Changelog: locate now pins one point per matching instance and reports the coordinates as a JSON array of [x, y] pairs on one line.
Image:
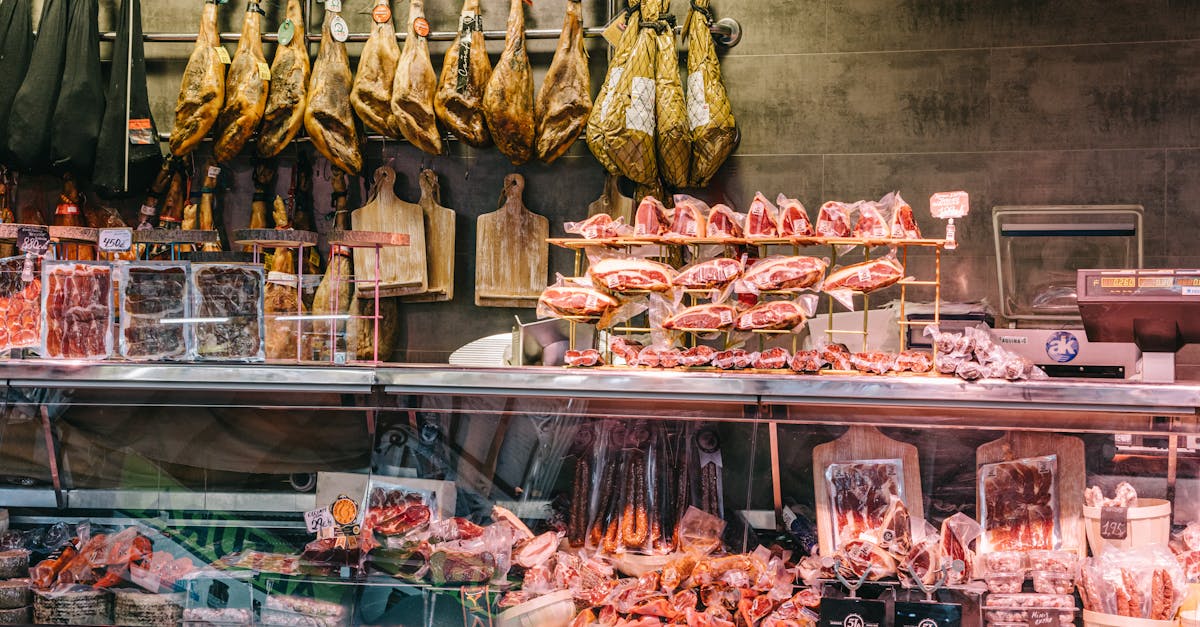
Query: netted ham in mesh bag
[[710, 117], [603, 111], [627, 118], [673, 137]]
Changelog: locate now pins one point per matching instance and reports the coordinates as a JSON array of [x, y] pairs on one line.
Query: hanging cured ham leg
[[564, 101], [415, 85], [288, 93], [328, 118], [203, 89], [246, 89], [465, 74], [508, 101], [372, 93]]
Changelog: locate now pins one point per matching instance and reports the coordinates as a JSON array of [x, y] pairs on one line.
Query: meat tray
[[20, 304], [78, 305], [153, 291], [231, 295]]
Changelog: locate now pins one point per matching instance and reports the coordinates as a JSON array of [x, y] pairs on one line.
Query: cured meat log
[[372, 92], [784, 273], [202, 91], [865, 277], [31, 119], [466, 71], [570, 300], [245, 89], [78, 311], [714, 131], [508, 99], [414, 86], [233, 293], [709, 274], [328, 118], [288, 92], [702, 317], [127, 147], [780, 314], [624, 274], [20, 305], [565, 99], [79, 109], [150, 293]]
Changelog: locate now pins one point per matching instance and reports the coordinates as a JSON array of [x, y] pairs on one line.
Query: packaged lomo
[[21, 298], [227, 300], [154, 301], [77, 298]]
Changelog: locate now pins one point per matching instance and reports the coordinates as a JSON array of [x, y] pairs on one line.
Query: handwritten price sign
[[115, 240], [1114, 523]]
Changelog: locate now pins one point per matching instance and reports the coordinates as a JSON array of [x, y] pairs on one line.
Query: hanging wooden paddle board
[[402, 270], [511, 255], [439, 241], [861, 444], [1072, 475], [612, 202]]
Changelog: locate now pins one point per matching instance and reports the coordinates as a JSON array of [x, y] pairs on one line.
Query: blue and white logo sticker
[[1062, 347]]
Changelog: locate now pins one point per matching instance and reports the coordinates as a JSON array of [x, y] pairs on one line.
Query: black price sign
[[34, 240], [1114, 523], [909, 614], [852, 613]]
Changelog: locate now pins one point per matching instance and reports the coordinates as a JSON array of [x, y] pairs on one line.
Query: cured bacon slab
[[871, 224], [779, 314], [833, 220], [725, 223], [621, 274], [571, 300], [762, 219], [706, 316], [784, 273], [709, 274], [793, 219], [690, 217], [651, 219], [865, 277]]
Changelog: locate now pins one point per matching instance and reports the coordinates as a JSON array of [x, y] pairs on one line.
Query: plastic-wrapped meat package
[[807, 361], [914, 361], [772, 359], [702, 317], [20, 304], [714, 273], [626, 349], [151, 292], [77, 300], [732, 359], [874, 362], [651, 218], [1019, 504], [690, 217], [871, 223], [586, 358], [783, 273], [697, 356], [232, 296], [621, 274], [837, 356], [793, 219], [599, 226], [774, 315], [833, 220], [762, 219], [903, 225], [725, 223], [865, 277], [861, 494]]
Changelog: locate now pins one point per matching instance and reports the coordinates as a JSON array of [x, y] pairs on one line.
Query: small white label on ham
[[697, 104], [640, 114], [333, 5], [864, 275], [612, 281], [281, 278], [726, 317], [147, 210], [213, 171], [339, 30]]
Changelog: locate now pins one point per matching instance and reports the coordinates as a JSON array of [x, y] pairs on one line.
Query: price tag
[[115, 240], [214, 171], [144, 578], [223, 54], [421, 27], [382, 13], [339, 30], [944, 205], [318, 519], [141, 133], [927, 614], [148, 211], [287, 30], [34, 240], [852, 613], [1114, 523], [333, 5], [264, 71], [281, 278]]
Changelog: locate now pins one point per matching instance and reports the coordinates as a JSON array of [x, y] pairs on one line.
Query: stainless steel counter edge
[[240, 377]]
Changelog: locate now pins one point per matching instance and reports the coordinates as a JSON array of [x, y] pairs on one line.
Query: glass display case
[[442, 496]]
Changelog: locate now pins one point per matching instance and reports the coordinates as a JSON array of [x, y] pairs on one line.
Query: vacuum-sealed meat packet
[[21, 299], [229, 297], [762, 219], [833, 220], [1019, 505], [793, 219], [725, 223], [861, 493], [152, 293], [711, 274], [622, 273], [78, 299], [599, 226]]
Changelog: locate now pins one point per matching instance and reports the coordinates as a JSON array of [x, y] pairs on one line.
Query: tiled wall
[[1015, 101]]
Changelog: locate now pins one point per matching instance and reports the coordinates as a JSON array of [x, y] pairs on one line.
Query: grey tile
[[742, 176], [1109, 96], [1182, 205], [1038, 22], [773, 26], [872, 25]]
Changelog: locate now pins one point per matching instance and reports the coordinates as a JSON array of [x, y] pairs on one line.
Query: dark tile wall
[[1014, 101]]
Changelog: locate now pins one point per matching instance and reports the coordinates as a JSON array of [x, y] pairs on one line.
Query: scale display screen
[[1158, 310], [1145, 283]]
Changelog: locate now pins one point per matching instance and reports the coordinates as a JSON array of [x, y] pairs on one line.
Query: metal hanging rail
[[728, 32]]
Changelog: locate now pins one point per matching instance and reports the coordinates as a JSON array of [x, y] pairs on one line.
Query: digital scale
[[1157, 311]]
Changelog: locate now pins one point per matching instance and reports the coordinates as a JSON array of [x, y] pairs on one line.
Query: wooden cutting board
[[1072, 475], [439, 241], [857, 444], [612, 202], [402, 269], [511, 255]]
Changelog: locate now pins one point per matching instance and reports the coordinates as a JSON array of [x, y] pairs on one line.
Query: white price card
[[949, 205], [115, 240], [317, 519]]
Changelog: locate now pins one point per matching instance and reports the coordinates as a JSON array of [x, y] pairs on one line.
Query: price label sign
[[949, 205], [317, 519], [1042, 618], [852, 613], [115, 240], [1114, 523], [34, 240]]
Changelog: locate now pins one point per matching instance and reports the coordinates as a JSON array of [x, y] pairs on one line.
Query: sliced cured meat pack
[[833, 220], [651, 219], [20, 304], [784, 273], [573, 300], [624, 274], [78, 305], [762, 219], [701, 317], [793, 219], [690, 217], [779, 314], [232, 296], [865, 277], [725, 223], [709, 274], [1019, 504], [150, 292], [861, 493]]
